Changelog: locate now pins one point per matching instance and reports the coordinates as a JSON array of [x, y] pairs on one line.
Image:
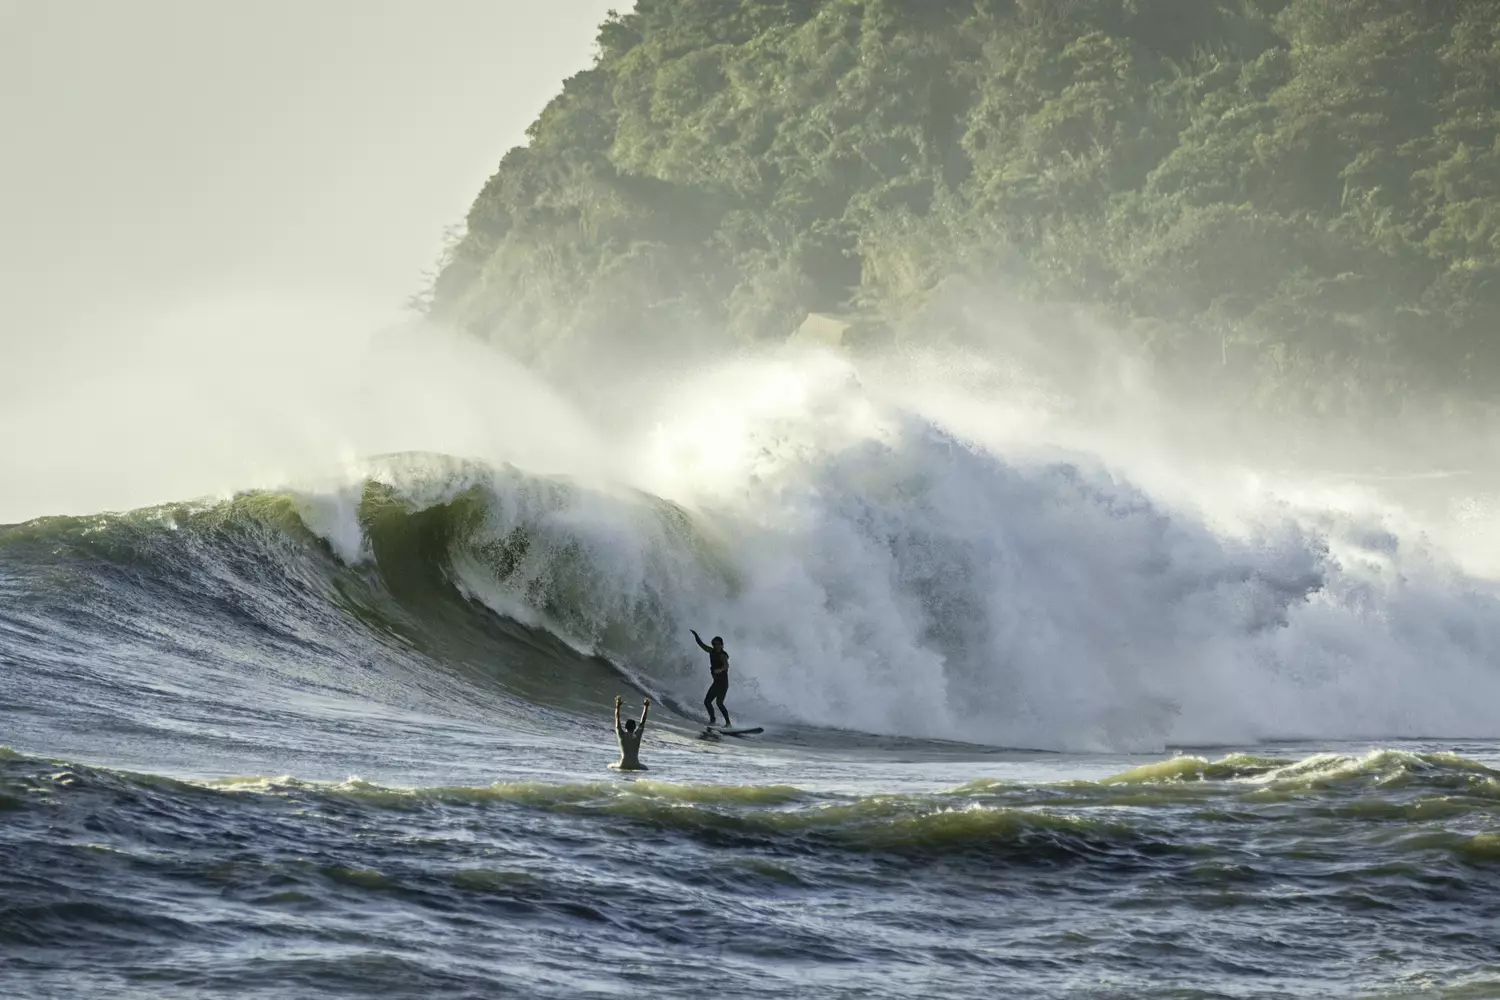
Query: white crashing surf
[[877, 561]]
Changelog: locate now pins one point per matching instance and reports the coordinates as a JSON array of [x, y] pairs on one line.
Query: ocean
[[1032, 728]]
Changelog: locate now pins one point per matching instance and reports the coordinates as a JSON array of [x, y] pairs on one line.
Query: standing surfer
[[629, 734], [718, 665]]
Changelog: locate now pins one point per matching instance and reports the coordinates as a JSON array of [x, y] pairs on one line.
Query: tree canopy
[[1296, 200]]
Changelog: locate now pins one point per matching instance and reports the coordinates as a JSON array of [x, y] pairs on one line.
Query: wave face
[[875, 567], [894, 566], [871, 566]]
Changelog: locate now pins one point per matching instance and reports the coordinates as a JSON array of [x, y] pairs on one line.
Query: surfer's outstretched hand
[[647, 701], [618, 701]]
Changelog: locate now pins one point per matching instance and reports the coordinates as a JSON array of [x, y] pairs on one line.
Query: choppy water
[[761, 871], [353, 743]]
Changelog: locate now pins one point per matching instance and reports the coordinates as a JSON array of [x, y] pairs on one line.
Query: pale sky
[[159, 147], [209, 211]]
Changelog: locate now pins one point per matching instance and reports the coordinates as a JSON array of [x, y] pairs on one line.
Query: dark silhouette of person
[[718, 665], [629, 734]]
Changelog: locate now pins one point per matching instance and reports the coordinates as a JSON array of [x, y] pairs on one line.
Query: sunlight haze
[[159, 149]]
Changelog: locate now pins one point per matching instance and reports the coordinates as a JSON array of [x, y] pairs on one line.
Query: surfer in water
[[718, 665], [629, 734]]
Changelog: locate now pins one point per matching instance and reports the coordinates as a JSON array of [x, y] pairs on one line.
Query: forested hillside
[[1295, 200]]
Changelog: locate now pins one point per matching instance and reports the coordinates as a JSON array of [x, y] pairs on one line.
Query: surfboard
[[710, 732]]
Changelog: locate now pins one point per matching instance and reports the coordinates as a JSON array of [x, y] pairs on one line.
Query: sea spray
[[884, 550], [873, 568]]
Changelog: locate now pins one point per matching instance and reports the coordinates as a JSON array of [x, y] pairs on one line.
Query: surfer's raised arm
[[618, 700], [645, 710], [701, 644]]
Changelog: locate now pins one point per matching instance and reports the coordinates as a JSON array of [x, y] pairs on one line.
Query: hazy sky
[[161, 148], [209, 208]]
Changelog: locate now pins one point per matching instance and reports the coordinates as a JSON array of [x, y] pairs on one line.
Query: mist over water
[[877, 567], [228, 394]]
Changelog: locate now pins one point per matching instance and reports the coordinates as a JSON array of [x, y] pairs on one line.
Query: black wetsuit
[[718, 665]]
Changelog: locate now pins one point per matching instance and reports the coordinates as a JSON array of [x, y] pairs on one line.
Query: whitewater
[[312, 698], [920, 548]]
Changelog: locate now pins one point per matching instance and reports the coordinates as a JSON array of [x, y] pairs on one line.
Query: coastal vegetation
[[1291, 204]]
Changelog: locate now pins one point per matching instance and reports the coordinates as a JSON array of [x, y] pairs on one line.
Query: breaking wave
[[871, 566]]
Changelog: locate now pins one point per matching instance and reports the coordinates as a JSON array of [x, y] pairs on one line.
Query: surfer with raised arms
[[629, 734], [718, 665]]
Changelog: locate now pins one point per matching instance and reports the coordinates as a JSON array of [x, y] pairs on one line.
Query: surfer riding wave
[[718, 666]]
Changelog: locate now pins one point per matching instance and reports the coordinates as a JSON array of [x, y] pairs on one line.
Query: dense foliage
[[1298, 201]]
